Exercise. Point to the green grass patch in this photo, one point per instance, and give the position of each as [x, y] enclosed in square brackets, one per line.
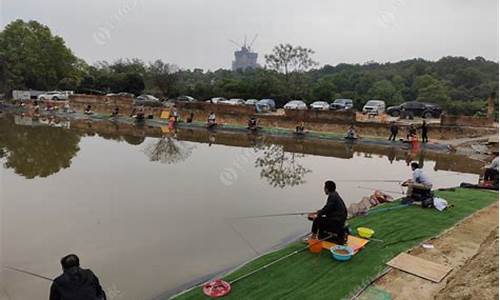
[318, 276]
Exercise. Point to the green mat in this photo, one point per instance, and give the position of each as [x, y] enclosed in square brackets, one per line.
[312, 276]
[373, 293]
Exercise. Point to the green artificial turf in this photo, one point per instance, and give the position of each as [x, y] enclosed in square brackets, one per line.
[318, 276]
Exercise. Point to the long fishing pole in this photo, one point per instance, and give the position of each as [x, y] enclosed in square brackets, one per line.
[29, 273]
[274, 215]
[371, 180]
[373, 189]
[278, 260]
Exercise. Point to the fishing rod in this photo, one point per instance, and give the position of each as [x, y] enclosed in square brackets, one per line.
[371, 180]
[373, 189]
[278, 260]
[274, 215]
[28, 273]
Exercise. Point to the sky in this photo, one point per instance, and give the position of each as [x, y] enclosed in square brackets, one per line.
[196, 33]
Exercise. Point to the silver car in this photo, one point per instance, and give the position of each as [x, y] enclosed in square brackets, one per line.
[296, 104]
[265, 105]
[251, 102]
[53, 95]
[216, 100]
[320, 105]
[374, 107]
[235, 101]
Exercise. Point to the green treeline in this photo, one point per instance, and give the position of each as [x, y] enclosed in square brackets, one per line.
[31, 57]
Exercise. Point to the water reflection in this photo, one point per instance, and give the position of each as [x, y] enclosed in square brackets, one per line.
[37, 151]
[43, 146]
[167, 150]
[280, 168]
[165, 219]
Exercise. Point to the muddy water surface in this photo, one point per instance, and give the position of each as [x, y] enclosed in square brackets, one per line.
[151, 214]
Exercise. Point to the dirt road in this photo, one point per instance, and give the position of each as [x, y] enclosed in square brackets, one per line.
[470, 248]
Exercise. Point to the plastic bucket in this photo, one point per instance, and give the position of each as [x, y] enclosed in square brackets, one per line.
[315, 246]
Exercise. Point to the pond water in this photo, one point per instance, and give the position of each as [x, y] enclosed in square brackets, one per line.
[150, 215]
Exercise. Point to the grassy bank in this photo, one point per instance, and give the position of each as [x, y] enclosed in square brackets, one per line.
[313, 276]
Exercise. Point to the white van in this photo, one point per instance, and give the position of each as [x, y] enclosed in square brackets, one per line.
[374, 107]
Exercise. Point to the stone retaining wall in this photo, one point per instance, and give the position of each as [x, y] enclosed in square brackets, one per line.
[447, 120]
[344, 116]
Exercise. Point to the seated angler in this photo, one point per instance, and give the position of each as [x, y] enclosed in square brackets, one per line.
[420, 185]
[491, 170]
[351, 133]
[211, 122]
[330, 220]
[300, 128]
[115, 112]
[88, 110]
[252, 124]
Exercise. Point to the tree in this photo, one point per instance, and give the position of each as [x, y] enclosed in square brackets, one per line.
[132, 83]
[288, 59]
[384, 90]
[34, 58]
[430, 89]
[163, 76]
[324, 89]
[292, 62]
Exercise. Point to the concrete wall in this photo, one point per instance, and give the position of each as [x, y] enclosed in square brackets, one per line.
[447, 120]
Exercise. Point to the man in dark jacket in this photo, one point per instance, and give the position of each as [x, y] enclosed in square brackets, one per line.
[394, 131]
[331, 218]
[76, 283]
[424, 129]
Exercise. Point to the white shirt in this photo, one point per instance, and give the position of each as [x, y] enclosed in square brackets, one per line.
[494, 164]
[420, 177]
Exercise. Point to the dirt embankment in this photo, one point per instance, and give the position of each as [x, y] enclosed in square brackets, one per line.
[470, 248]
[478, 278]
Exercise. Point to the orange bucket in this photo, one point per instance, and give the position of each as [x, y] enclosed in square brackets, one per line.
[315, 246]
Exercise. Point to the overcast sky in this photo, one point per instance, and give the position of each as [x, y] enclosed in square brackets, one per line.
[196, 33]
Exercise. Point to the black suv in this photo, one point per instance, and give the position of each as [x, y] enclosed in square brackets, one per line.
[415, 109]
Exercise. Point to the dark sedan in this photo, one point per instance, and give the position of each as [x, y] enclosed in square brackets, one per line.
[415, 109]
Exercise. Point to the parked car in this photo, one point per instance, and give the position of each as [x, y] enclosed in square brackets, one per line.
[342, 104]
[121, 94]
[374, 107]
[320, 105]
[185, 99]
[235, 101]
[417, 109]
[147, 100]
[53, 95]
[251, 102]
[216, 100]
[296, 104]
[265, 105]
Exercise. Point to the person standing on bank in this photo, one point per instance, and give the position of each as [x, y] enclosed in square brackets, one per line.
[424, 129]
[331, 218]
[394, 131]
[76, 283]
